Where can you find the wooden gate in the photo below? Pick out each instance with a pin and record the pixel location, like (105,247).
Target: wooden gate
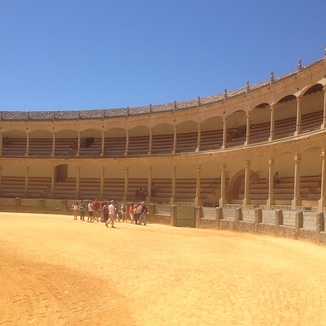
(186,215)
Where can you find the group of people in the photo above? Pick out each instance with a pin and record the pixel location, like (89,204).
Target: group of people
(110,212)
(141,193)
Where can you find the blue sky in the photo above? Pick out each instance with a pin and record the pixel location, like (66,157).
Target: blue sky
(96,54)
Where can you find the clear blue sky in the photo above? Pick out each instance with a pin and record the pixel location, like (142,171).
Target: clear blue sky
(96,54)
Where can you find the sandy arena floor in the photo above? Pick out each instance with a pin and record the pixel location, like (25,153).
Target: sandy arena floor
(57,271)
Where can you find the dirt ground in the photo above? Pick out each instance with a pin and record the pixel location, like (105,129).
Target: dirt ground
(57,271)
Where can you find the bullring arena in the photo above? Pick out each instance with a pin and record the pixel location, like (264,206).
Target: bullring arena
(236,227)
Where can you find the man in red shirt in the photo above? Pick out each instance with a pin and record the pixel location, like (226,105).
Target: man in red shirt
(96,208)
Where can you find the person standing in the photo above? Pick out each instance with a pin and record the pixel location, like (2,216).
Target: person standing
(131,212)
(105,212)
(75,210)
(111,214)
(90,217)
(82,211)
(96,208)
(143,212)
(123,211)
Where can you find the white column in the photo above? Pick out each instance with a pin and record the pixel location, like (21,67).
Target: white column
(198,199)
(52,181)
(174,172)
(270,200)
(53,144)
(246,199)
(150,141)
(272,125)
(321,202)
(174,140)
(78,144)
(102,182)
(222,200)
(1,141)
(78,182)
(247,128)
(126,186)
(27,145)
(324,111)
(198,137)
(298,124)
(127,143)
(103,144)
(26,180)
(296,198)
(149,183)
(224,133)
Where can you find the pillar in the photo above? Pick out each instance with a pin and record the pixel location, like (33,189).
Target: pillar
(102,182)
(296,198)
(150,141)
(52,181)
(1,142)
(103,144)
(149,183)
(222,200)
(78,144)
(247,142)
(174,173)
(272,125)
(0,180)
(26,181)
(198,137)
(174,140)
(270,200)
(324,110)
(27,145)
(246,199)
(127,143)
(224,133)
(321,201)
(77,182)
(126,186)
(198,199)
(298,124)
(53,144)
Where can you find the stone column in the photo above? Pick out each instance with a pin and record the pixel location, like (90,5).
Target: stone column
(0,180)
(150,141)
(298,125)
(125,192)
(296,199)
(149,183)
(174,140)
(127,143)
(174,173)
(246,199)
(198,199)
(270,200)
(27,144)
(103,144)
(224,133)
(321,201)
(26,181)
(78,182)
(102,182)
(53,144)
(272,125)
(78,144)
(222,200)
(1,142)
(324,110)
(198,137)
(247,142)
(52,181)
